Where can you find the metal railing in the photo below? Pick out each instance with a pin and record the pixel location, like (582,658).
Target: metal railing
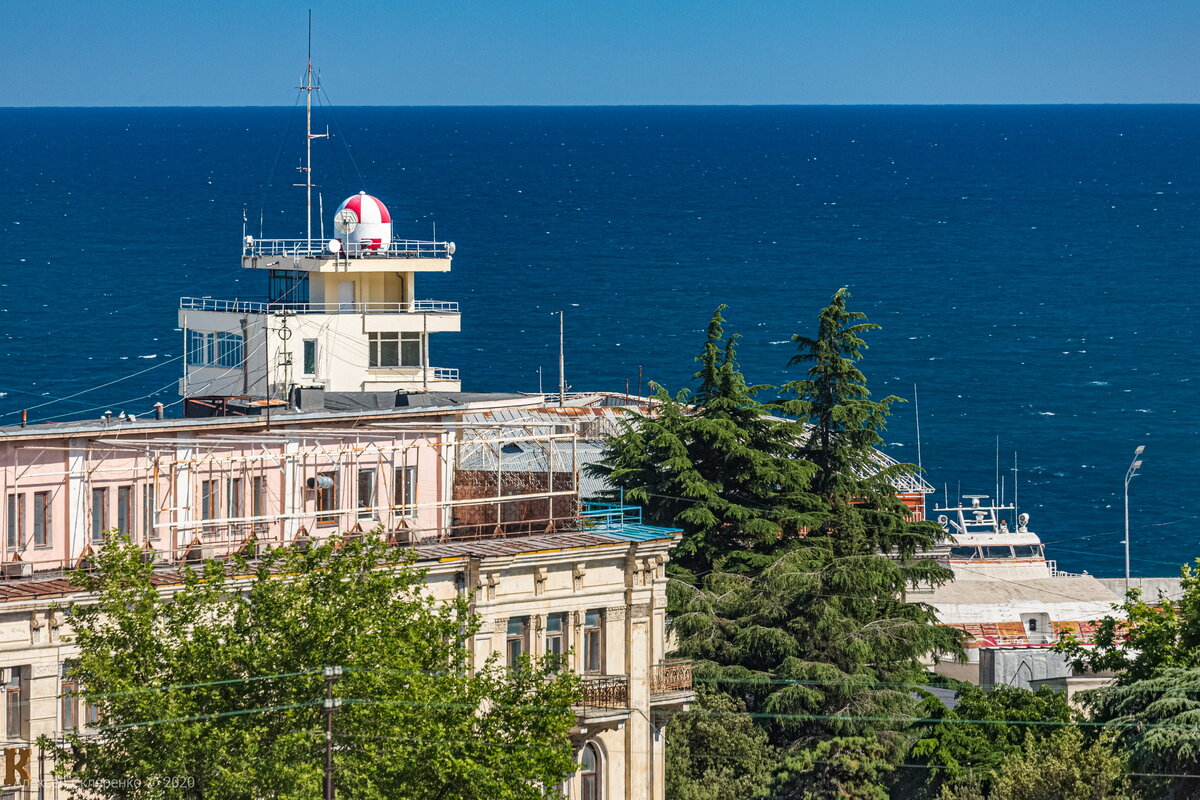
(315,248)
(607,691)
(260,307)
(1055,572)
(670,677)
(609,515)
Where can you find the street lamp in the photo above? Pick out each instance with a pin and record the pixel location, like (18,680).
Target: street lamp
(1130,474)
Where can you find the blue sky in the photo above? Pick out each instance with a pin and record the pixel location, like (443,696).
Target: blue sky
(463,52)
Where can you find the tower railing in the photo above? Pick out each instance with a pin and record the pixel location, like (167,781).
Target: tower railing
(261,307)
(304,248)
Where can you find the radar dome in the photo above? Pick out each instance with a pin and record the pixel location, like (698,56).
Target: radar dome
(364,224)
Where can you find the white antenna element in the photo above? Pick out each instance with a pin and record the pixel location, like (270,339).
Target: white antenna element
(321,213)
(917,409)
(309,88)
(997,494)
(562,381)
(1016,508)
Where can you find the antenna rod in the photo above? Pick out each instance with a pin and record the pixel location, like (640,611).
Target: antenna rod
(562,382)
(308,133)
(1016,509)
(917,409)
(997,494)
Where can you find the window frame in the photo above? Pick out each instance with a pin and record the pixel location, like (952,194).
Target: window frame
(14,704)
(516,640)
(149,511)
(370,508)
(99,511)
(555,641)
(43,517)
(405,356)
(593,641)
(327,500)
(405,491)
(125,509)
(15,520)
(591,781)
(309,359)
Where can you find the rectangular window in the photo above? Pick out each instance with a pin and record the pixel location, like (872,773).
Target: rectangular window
(556,627)
(41,519)
(91,715)
(229,350)
(149,511)
(593,641)
(16,520)
(69,702)
(14,708)
(394,349)
(366,493)
(124,510)
(327,498)
(258,497)
(210,499)
(517,641)
(99,514)
(310,356)
(406,491)
(234,497)
(287,287)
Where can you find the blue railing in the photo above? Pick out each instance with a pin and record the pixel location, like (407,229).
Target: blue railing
(609,515)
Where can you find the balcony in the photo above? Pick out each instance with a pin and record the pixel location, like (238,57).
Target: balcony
(259,307)
(317,248)
(605,702)
(671,684)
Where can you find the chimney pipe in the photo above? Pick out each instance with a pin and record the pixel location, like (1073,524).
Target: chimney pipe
(24,417)
(158,410)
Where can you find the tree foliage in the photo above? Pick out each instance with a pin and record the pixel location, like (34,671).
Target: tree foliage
(1060,766)
(788,602)
(218,679)
(967,744)
(716,752)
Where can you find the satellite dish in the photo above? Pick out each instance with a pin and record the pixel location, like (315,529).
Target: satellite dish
(450,248)
(345,221)
(335,245)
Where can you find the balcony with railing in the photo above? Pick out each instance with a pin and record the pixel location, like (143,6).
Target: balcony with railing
(605,701)
(317,248)
(260,307)
(670,681)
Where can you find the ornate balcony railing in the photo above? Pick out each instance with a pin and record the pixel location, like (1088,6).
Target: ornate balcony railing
(608,691)
(671,677)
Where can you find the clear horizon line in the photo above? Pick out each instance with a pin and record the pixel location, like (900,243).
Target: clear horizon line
(634,105)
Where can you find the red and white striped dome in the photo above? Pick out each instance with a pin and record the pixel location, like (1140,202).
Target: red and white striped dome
(370,230)
(367,208)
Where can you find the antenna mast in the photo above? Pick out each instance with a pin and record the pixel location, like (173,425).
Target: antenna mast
(309,88)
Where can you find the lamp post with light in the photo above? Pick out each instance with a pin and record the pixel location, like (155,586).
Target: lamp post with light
(1130,474)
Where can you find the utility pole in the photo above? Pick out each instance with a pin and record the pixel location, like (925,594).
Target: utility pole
(562,381)
(1130,474)
(331,675)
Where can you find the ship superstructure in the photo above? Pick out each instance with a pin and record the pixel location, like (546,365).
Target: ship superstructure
(339,314)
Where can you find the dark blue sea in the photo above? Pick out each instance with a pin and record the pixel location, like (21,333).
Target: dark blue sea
(1034,269)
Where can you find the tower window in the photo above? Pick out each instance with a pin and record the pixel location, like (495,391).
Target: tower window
(287,287)
(391,349)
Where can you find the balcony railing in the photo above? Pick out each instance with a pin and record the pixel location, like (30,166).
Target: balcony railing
(259,307)
(608,691)
(671,677)
(609,515)
(316,248)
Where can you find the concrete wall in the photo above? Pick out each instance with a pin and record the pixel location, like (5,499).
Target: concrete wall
(1017,666)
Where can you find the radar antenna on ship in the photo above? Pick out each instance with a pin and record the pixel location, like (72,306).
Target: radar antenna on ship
(308,88)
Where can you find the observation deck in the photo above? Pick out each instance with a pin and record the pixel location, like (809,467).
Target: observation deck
(399,255)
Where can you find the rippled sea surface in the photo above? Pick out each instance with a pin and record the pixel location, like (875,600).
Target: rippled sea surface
(1034,269)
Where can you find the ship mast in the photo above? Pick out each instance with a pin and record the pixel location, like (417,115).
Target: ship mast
(308,88)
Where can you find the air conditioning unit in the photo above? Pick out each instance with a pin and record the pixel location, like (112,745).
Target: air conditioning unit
(17,569)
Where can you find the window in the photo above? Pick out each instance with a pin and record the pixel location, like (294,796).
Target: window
(234,497)
(995,551)
(69,701)
(229,350)
(517,641)
(590,785)
(14,708)
(366,493)
(258,495)
(394,349)
(287,287)
(210,499)
(1032,625)
(556,625)
(310,356)
(41,519)
(326,498)
(593,641)
(124,510)
(91,715)
(406,490)
(1026,551)
(99,514)
(964,552)
(149,511)
(16,520)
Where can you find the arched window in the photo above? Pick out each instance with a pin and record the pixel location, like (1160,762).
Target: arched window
(591,785)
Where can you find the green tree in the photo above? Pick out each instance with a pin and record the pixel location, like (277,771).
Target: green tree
(967,744)
(789,603)
(716,752)
(721,466)
(1061,767)
(218,680)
